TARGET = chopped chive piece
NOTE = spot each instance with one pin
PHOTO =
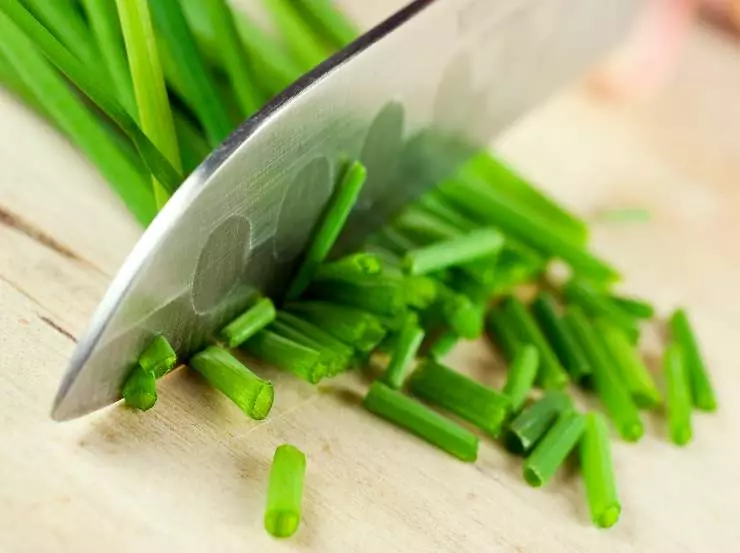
(702, 392)
(598, 472)
(298, 34)
(526, 430)
(678, 394)
(248, 323)
(495, 209)
(328, 21)
(597, 304)
(357, 328)
(316, 333)
(553, 449)
(551, 373)
(634, 373)
(521, 376)
(611, 389)
(288, 355)
(443, 345)
(460, 313)
(420, 291)
(159, 357)
(415, 417)
(475, 245)
(503, 333)
(459, 394)
(285, 491)
(423, 226)
(404, 352)
(516, 264)
(359, 265)
(563, 343)
(197, 82)
(379, 295)
(634, 307)
(236, 60)
(332, 361)
(140, 389)
(337, 212)
(436, 204)
(253, 395)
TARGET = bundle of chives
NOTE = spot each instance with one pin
(598, 472)
(526, 430)
(285, 491)
(678, 394)
(702, 392)
(248, 323)
(407, 345)
(550, 453)
(596, 304)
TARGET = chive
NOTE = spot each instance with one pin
(316, 333)
(421, 421)
(350, 267)
(598, 472)
(237, 62)
(501, 177)
(566, 347)
(248, 323)
(332, 361)
(253, 395)
(678, 394)
(475, 245)
(423, 226)
(287, 354)
(191, 143)
(89, 84)
(285, 491)
(516, 264)
(407, 345)
(331, 24)
(76, 120)
(633, 371)
(553, 449)
(103, 18)
(495, 209)
(503, 334)
(158, 358)
(140, 389)
(420, 291)
(551, 373)
(191, 69)
(394, 240)
(611, 389)
(460, 313)
(521, 376)
(634, 307)
(12, 81)
(150, 91)
(702, 392)
(357, 328)
(443, 345)
(380, 296)
(435, 204)
(526, 430)
(597, 304)
(459, 394)
(297, 33)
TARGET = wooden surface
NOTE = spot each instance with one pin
(191, 474)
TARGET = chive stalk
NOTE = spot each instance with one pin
(443, 345)
(248, 323)
(598, 472)
(477, 244)
(359, 265)
(158, 358)
(459, 394)
(285, 491)
(380, 296)
(407, 345)
(552, 450)
(332, 361)
(286, 354)
(464, 317)
(338, 211)
(298, 35)
(331, 24)
(526, 430)
(420, 291)
(596, 303)
(316, 333)
(503, 333)
(140, 389)
(678, 394)
(418, 419)
(702, 392)
(634, 307)
(521, 376)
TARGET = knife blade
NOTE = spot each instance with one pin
(411, 99)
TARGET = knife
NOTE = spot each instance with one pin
(411, 99)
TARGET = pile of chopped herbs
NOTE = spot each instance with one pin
(471, 259)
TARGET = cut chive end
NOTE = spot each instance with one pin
(681, 436)
(281, 523)
(263, 402)
(140, 389)
(608, 517)
(533, 477)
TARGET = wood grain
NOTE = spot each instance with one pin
(191, 474)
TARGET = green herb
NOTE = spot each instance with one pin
(337, 212)
(443, 345)
(526, 430)
(187, 62)
(76, 120)
(357, 328)
(299, 37)
(285, 491)
(563, 343)
(634, 307)
(421, 421)
(248, 323)
(459, 394)
(316, 333)
(407, 345)
(516, 264)
(435, 204)
(190, 141)
(598, 472)
(420, 291)
(611, 389)
(288, 355)
(597, 304)
(393, 240)
(253, 395)
(332, 361)
(158, 358)
(553, 449)
(476, 244)
(502, 332)
(678, 394)
(463, 316)
(378, 295)
(140, 389)
(633, 371)
(521, 376)
(424, 227)
(551, 373)
(332, 25)
(702, 392)
(359, 265)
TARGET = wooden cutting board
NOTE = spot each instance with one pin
(191, 474)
